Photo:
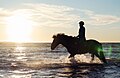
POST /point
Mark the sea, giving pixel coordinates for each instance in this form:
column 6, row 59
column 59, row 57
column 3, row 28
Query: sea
column 37, row 60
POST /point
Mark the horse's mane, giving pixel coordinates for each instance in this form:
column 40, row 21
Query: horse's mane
column 63, row 35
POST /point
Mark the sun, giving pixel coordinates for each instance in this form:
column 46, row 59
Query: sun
column 19, row 28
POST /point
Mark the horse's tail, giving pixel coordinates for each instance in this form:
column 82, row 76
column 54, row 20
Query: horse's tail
column 102, row 57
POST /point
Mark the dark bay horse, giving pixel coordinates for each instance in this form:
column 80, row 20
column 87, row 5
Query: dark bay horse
column 74, row 46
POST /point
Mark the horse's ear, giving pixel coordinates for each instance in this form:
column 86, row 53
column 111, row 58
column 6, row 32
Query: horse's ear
column 54, row 36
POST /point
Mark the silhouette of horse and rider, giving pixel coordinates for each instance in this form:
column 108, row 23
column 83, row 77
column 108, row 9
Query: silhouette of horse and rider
column 79, row 44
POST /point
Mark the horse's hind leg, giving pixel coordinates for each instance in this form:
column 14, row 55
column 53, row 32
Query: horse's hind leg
column 96, row 54
column 92, row 55
column 101, row 56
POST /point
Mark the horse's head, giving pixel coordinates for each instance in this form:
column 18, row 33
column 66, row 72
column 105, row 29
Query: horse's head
column 57, row 40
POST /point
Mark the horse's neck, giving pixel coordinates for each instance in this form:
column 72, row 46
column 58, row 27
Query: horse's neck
column 66, row 44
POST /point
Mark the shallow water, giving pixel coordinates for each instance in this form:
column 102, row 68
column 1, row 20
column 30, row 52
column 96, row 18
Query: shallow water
column 38, row 61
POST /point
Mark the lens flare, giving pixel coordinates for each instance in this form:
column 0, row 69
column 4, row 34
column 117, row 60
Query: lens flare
column 110, row 51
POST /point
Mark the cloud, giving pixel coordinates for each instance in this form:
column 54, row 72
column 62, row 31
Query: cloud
column 46, row 15
column 3, row 14
column 100, row 19
column 43, row 15
column 52, row 15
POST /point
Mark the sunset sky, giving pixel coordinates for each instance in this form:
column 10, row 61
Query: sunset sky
column 39, row 20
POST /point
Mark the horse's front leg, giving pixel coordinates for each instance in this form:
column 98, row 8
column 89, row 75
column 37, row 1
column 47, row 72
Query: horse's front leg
column 71, row 55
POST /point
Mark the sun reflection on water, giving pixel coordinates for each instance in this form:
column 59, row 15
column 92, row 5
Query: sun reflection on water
column 20, row 53
column 17, row 67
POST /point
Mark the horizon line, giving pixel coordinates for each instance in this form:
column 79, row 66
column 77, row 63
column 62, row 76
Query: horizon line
column 51, row 42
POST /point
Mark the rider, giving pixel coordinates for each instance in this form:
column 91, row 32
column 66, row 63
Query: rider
column 81, row 35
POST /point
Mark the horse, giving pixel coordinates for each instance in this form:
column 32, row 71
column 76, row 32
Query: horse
column 74, row 46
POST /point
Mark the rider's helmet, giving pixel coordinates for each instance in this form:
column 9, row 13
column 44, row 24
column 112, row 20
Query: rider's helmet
column 81, row 23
